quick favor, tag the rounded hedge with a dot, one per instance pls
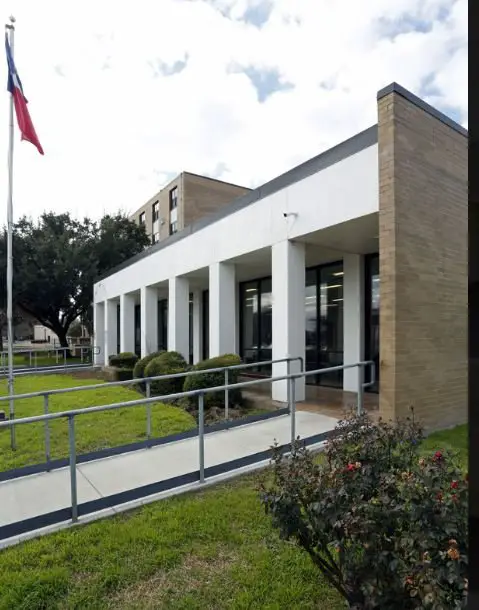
(140, 366)
(167, 363)
(123, 360)
(215, 379)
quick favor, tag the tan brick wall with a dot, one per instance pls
(423, 234)
(202, 196)
(198, 196)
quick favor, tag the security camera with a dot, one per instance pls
(286, 214)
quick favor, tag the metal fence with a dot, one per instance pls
(146, 382)
(58, 354)
(200, 394)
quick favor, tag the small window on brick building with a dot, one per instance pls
(155, 211)
(173, 198)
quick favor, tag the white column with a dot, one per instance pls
(111, 329)
(222, 297)
(178, 316)
(99, 333)
(149, 320)
(127, 323)
(353, 330)
(288, 282)
(197, 326)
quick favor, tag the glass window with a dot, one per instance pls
(173, 198)
(372, 302)
(331, 343)
(156, 211)
(173, 227)
(117, 330)
(250, 318)
(266, 324)
(155, 238)
(311, 321)
(163, 324)
(206, 324)
(142, 218)
(190, 312)
(138, 330)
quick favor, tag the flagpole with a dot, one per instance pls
(11, 28)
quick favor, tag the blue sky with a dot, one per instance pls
(126, 95)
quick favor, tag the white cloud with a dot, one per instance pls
(114, 127)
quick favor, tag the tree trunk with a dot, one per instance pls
(62, 337)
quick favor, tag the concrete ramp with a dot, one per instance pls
(34, 502)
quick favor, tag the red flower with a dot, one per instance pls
(351, 467)
(454, 485)
(438, 455)
(439, 496)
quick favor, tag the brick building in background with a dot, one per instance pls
(184, 200)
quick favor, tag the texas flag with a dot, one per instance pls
(20, 102)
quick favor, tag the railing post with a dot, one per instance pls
(292, 393)
(201, 435)
(65, 357)
(35, 360)
(13, 436)
(30, 359)
(56, 356)
(47, 428)
(360, 390)
(227, 395)
(148, 410)
(73, 467)
(288, 385)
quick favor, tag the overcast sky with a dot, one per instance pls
(125, 95)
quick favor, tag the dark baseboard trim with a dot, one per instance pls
(24, 471)
(64, 514)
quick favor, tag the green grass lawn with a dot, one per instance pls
(210, 550)
(95, 431)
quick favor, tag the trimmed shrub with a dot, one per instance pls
(167, 363)
(384, 524)
(123, 360)
(211, 380)
(140, 366)
(122, 374)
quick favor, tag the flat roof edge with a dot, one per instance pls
(417, 101)
(339, 152)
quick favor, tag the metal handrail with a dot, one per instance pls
(57, 351)
(141, 380)
(42, 370)
(176, 395)
(290, 378)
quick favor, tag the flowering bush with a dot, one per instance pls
(385, 526)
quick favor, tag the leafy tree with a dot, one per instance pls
(75, 329)
(58, 259)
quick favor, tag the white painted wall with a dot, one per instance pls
(42, 333)
(341, 192)
(353, 318)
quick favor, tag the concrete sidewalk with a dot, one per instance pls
(39, 494)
